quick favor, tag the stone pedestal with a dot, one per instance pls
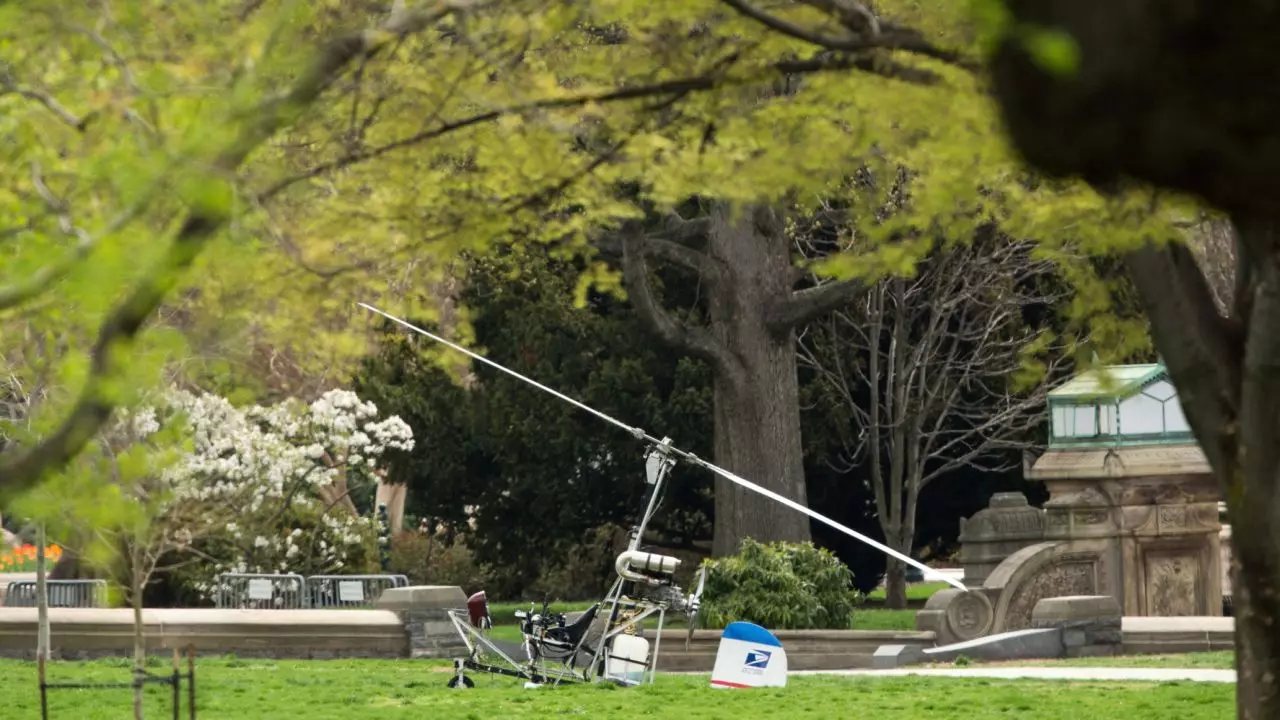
(424, 609)
(1090, 624)
(1005, 526)
(1142, 523)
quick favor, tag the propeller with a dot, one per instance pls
(694, 604)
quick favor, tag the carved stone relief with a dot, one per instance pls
(1171, 584)
(1091, 517)
(970, 615)
(1172, 517)
(1063, 577)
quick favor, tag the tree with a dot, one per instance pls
(927, 367)
(510, 473)
(209, 488)
(298, 124)
(1193, 97)
(742, 259)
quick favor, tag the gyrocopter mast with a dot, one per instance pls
(666, 454)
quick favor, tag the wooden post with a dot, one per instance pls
(42, 620)
(177, 686)
(191, 681)
(44, 697)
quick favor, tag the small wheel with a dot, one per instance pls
(462, 680)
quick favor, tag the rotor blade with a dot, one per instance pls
(642, 435)
(828, 521)
(634, 431)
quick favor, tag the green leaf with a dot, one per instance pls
(1055, 51)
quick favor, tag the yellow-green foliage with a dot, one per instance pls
(492, 125)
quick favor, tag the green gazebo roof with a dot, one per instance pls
(1113, 381)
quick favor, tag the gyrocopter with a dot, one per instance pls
(601, 644)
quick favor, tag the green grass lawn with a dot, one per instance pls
(915, 591)
(230, 689)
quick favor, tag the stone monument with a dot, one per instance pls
(1132, 493)
(1005, 526)
(1133, 513)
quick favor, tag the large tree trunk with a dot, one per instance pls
(746, 272)
(1253, 496)
(1227, 371)
(757, 436)
(757, 398)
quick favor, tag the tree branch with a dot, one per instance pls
(9, 85)
(867, 32)
(806, 305)
(39, 281)
(682, 86)
(693, 340)
(20, 469)
(1201, 349)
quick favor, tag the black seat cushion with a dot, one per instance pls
(571, 635)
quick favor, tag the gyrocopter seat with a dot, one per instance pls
(571, 635)
(478, 610)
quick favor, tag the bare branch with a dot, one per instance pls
(867, 32)
(926, 364)
(8, 85)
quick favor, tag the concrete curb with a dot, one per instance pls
(1049, 673)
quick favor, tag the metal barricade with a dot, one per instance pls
(61, 593)
(349, 591)
(261, 591)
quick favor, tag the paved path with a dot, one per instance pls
(1048, 673)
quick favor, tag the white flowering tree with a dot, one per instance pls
(286, 472)
(194, 485)
(249, 490)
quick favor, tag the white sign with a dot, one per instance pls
(749, 657)
(350, 591)
(260, 589)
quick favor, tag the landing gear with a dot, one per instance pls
(460, 679)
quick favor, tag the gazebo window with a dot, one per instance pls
(1137, 403)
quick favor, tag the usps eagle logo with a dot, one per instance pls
(757, 659)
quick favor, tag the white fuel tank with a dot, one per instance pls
(628, 655)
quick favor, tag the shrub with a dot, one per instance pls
(582, 570)
(431, 559)
(779, 586)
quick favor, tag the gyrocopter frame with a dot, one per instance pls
(557, 651)
(602, 643)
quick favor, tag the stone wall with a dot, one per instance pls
(79, 634)
(84, 633)
(1090, 625)
(1149, 514)
(806, 649)
(1140, 524)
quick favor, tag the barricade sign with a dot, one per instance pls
(349, 591)
(261, 591)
